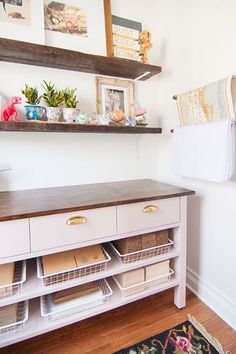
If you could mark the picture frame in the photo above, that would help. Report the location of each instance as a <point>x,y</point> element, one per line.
<point>108,26</point>
<point>115,94</point>
<point>22,20</point>
<point>122,35</point>
<point>77,25</point>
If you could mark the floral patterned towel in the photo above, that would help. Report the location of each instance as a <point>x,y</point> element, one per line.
<point>209,103</point>
<point>182,339</point>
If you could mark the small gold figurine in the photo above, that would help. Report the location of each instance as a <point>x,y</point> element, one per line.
<point>145,45</point>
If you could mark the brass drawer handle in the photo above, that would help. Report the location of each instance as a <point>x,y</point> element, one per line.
<point>74,220</point>
<point>150,208</point>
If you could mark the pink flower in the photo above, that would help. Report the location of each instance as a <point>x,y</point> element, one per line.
<point>184,344</point>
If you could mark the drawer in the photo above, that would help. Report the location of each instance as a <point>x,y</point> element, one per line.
<point>14,238</point>
<point>55,231</point>
<point>138,216</point>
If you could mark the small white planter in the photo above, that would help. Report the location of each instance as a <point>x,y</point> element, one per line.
<point>70,114</point>
<point>54,114</point>
<point>82,118</point>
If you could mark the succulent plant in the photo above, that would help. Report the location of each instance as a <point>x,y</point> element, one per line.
<point>31,94</point>
<point>51,96</point>
<point>70,98</point>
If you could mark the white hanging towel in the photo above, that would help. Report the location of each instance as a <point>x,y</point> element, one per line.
<point>205,151</point>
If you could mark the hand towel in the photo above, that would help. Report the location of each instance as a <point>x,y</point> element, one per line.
<point>213,102</point>
<point>205,151</point>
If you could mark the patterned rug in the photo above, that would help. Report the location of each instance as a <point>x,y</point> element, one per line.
<point>188,337</point>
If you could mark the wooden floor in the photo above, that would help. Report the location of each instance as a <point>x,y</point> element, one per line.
<point>123,327</point>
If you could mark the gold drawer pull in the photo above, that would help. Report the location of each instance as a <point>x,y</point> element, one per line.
<point>74,220</point>
<point>149,208</point>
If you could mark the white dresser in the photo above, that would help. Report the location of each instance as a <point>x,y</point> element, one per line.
<point>35,223</point>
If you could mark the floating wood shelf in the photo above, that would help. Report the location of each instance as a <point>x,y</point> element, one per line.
<point>74,128</point>
<point>41,55</point>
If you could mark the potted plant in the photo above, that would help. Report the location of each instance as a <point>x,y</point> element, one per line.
<point>33,110</point>
<point>70,113</point>
<point>54,99</point>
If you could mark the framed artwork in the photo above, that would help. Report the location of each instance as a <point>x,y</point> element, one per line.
<point>75,24</point>
<point>115,94</point>
<point>22,20</point>
<point>122,35</point>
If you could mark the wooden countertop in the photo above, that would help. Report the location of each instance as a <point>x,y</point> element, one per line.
<point>45,201</point>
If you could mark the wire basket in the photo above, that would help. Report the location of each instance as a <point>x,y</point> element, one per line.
<point>22,317</point>
<point>137,288</point>
<point>142,254</point>
<point>71,274</point>
<point>19,278</point>
<point>55,315</point>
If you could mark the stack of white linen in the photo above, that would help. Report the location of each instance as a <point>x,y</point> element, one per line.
<point>205,151</point>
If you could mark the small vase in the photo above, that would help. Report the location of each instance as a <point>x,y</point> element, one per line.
<point>103,119</point>
<point>82,118</point>
<point>34,112</point>
<point>70,114</point>
<point>54,114</point>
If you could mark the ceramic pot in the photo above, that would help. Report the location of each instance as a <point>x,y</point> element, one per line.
<point>34,112</point>
<point>70,114</point>
<point>82,118</point>
<point>54,114</point>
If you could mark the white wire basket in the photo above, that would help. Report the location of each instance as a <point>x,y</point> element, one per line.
<point>56,315</point>
<point>14,288</point>
<point>137,288</point>
<point>142,254</point>
<point>22,317</point>
<point>71,274</point>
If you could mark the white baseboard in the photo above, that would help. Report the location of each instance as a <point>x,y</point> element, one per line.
<point>212,297</point>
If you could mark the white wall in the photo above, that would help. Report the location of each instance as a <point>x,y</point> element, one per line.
<point>197,46</point>
<point>194,42</point>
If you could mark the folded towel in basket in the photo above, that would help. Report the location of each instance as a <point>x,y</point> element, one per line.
<point>8,314</point>
<point>210,103</point>
<point>205,151</point>
<point>86,301</point>
<point>6,278</point>
<point>75,292</point>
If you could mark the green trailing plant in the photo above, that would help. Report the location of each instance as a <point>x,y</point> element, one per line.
<point>70,98</point>
<point>51,96</point>
<point>31,94</point>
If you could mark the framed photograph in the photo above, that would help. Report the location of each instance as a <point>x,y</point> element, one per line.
<point>76,25</point>
<point>22,20</point>
<point>115,94</point>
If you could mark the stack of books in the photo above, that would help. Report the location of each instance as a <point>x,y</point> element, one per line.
<point>125,34</point>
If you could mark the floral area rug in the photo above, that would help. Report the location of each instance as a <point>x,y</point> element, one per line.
<point>188,337</point>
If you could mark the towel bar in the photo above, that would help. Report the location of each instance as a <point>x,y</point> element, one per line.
<point>233,123</point>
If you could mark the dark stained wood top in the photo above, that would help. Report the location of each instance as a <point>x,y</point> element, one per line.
<point>46,201</point>
<point>44,127</point>
<point>42,55</point>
